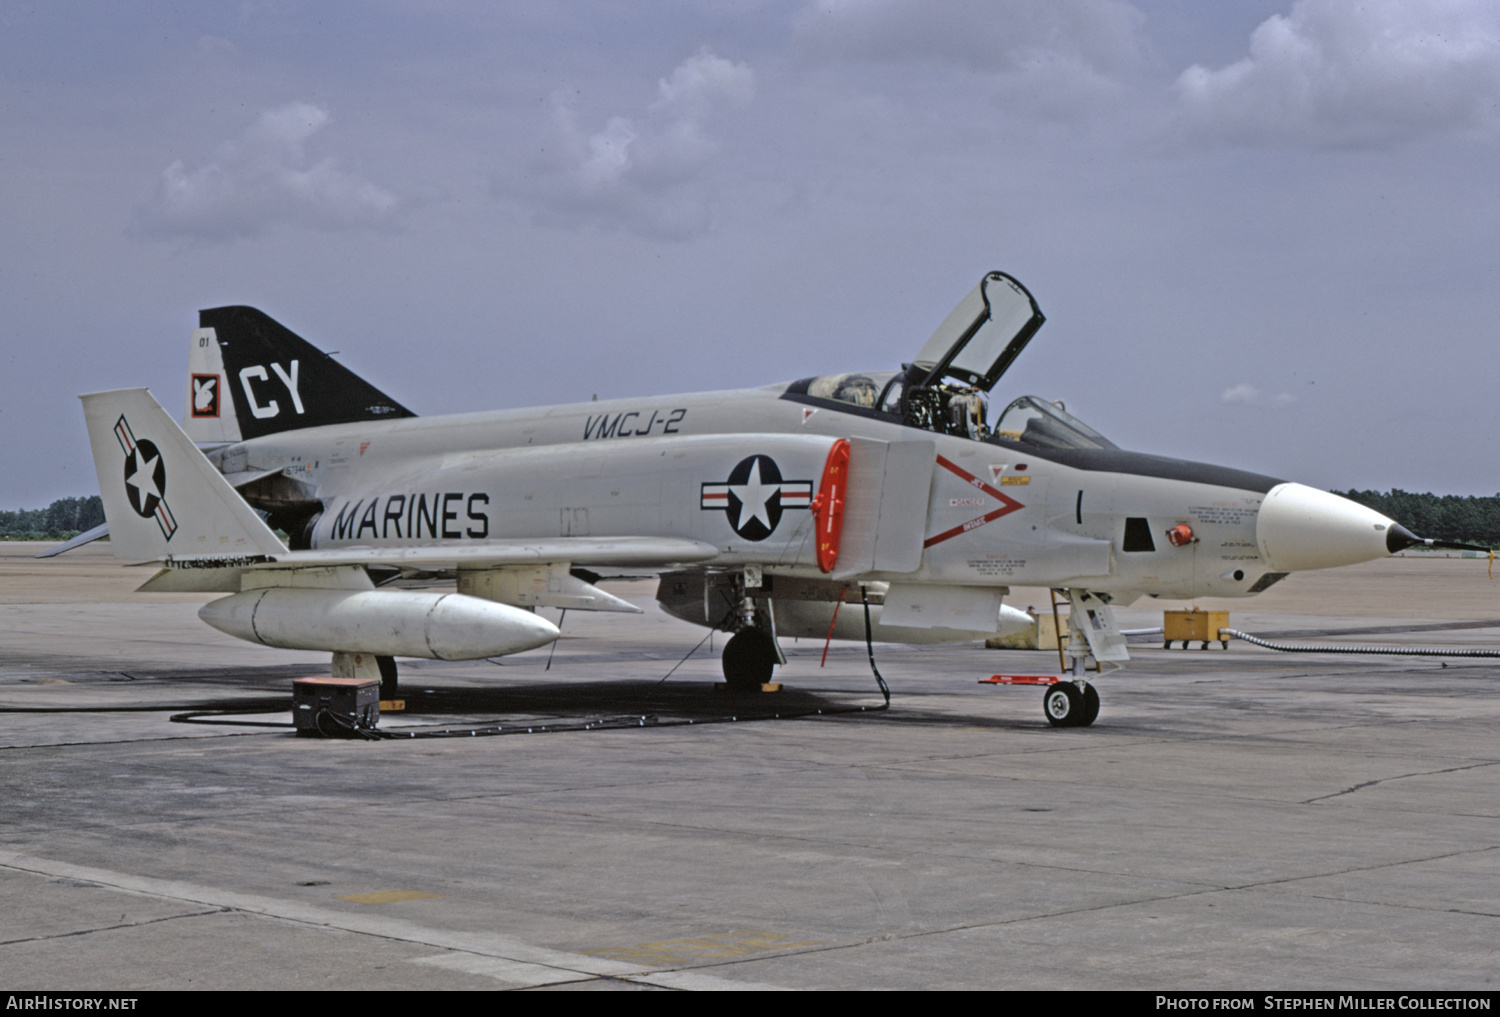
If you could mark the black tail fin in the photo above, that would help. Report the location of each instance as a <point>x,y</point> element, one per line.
<point>277,381</point>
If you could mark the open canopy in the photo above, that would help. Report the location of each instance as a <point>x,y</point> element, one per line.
<point>945,388</point>
<point>984,334</point>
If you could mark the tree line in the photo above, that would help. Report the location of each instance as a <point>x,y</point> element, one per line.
<point>1471,518</point>
<point>64,518</point>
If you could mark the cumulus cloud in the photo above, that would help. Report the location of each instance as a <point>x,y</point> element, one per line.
<point>1246,394</point>
<point>647,172</point>
<point>1348,73</point>
<point>260,179</point>
<point>1055,56</point>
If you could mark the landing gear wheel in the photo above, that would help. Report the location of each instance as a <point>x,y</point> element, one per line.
<point>748,660</point>
<point>1063,704</point>
<point>1089,711</point>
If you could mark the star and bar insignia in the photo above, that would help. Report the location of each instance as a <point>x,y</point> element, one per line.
<point>755,496</point>
<point>145,478</point>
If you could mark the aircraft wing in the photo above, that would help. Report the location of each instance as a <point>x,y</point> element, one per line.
<point>530,562</point>
<point>643,552</point>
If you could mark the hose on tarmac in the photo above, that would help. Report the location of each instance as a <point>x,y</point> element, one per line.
<point>1390,651</point>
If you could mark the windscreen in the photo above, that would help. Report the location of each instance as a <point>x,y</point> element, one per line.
<point>1033,421</point>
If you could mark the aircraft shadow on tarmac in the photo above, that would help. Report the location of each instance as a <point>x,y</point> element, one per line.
<point>698,701</point>
<point>430,700</point>
<point>210,695</point>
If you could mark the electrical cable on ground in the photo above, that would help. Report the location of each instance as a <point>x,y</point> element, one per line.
<point>276,705</point>
<point>201,717</point>
<point>1391,651</point>
<point>870,649</point>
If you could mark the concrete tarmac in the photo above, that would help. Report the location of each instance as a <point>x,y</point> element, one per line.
<point>1235,819</point>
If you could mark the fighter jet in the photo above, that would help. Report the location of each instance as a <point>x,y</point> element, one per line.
<point>763,511</point>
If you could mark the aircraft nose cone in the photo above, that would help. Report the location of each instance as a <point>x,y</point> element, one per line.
<point>1300,527</point>
<point>1400,538</point>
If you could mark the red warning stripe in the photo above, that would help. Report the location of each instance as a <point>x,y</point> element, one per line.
<point>124,436</point>
<point>165,520</point>
<point>796,493</point>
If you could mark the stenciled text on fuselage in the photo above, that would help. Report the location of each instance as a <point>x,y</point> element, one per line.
<point>449,515</point>
<point>629,424</point>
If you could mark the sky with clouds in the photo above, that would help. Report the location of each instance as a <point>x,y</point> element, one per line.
<point>1264,233</point>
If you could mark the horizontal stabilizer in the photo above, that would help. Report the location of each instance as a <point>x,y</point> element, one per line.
<point>86,537</point>
<point>245,478</point>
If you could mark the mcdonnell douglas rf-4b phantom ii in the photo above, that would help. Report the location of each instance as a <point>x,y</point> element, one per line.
<point>762,510</point>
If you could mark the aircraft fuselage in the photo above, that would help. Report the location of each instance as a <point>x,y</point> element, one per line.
<point>997,512</point>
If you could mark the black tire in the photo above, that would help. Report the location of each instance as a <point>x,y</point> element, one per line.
<point>1089,711</point>
<point>1062,703</point>
<point>749,659</point>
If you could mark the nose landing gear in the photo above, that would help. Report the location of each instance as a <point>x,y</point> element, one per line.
<point>1066,702</point>
<point>1070,704</point>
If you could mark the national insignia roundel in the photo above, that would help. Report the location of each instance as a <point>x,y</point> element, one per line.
<point>145,478</point>
<point>755,496</point>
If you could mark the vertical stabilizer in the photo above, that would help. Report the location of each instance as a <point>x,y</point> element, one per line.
<point>162,498</point>
<point>209,417</point>
<point>273,380</point>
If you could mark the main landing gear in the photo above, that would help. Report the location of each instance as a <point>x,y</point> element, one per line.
<point>751,655</point>
<point>749,658</point>
<point>1070,704</point>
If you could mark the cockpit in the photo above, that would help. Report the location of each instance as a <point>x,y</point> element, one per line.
<point>861,390</point>
<point>1036,422</point>
<point>946,388</point>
